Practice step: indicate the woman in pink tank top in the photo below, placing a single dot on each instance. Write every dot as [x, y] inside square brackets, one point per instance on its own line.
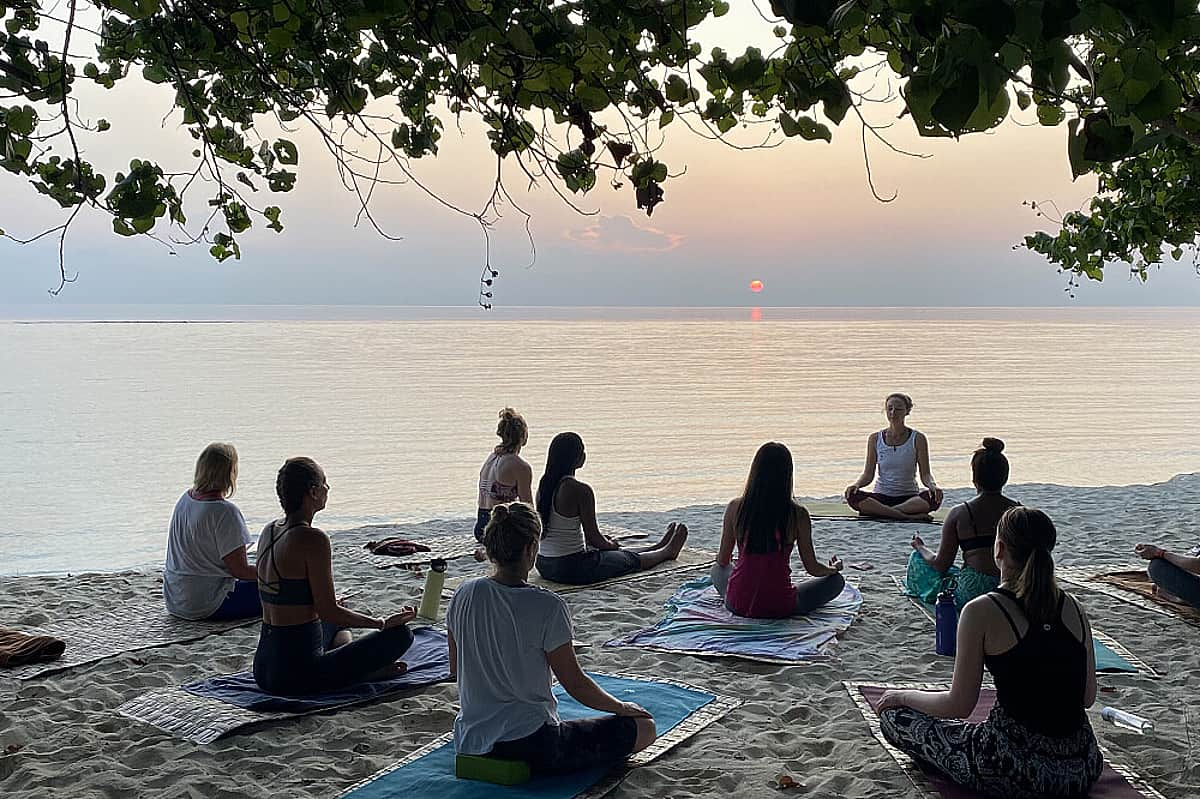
[765, 523]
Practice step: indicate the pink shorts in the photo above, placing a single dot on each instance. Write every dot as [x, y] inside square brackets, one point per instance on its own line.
[887, 499]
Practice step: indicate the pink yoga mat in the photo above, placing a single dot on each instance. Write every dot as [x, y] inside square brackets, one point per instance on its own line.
[1111, 785]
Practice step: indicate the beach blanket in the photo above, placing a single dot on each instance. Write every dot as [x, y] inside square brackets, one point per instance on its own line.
[840, 510]
[20, 649]
[1116, 782]
[203, 711]
[688, 560]
[697, 623]
[1133, 586]
[1112, 657]
[136, 625]
[680, 711]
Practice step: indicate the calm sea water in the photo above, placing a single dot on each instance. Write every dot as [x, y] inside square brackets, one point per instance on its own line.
[100, 424]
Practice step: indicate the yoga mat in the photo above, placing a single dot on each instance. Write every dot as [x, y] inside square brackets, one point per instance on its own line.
[1111, 656]
[840, 510]
[1131, 586]
[1116, 781]
[697, 623]
[138, 624]
[203, 711]
[688, 560]
[680, 711]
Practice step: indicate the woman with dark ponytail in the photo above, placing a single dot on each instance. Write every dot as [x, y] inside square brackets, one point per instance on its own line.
[508, 641]
[1036, 641]
[970, 527]
[573, 550]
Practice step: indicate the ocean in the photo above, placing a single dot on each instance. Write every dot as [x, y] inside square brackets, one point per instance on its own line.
[101, 421]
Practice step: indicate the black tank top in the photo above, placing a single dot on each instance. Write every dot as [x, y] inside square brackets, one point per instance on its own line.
[1041, 681]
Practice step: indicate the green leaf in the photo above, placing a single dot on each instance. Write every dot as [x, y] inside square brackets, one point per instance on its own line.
[1023, 100]
[155, 73]
[805, 127]
[666, 118]
[1051, 115]
[286, 152]
[720, 8]
[102, 125]
[1161, 102]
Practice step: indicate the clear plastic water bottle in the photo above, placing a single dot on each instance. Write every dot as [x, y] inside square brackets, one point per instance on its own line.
[945, 623]
[1127, 720]
[431, 597]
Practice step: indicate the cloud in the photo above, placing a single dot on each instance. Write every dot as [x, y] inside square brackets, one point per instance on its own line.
[620, 234]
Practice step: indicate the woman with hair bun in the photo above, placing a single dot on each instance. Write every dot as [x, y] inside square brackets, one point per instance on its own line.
[970, 527]
[505, 476]
[304, 647]
[1036, 642]
[897, 453]
[573, 549]
[508, 641]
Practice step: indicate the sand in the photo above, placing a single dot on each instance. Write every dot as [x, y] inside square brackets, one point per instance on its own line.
[67, 740]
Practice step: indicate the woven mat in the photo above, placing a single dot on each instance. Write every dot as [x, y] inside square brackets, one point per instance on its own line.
[840, 510]
[1143, 668]
[1117, 780]
[1130, 586]
[714, 710]
[129, 628]
[688, 560]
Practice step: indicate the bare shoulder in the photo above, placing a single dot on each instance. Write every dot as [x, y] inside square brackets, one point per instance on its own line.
[734, 505]
[801, 512]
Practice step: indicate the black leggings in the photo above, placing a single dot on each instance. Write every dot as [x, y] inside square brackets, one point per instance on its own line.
[295, 661]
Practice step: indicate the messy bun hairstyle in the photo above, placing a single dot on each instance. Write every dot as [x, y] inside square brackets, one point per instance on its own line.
[989, 467]
[908, 403]
[513, 431]
[1030, 537]
[510, 531]
[295, 478]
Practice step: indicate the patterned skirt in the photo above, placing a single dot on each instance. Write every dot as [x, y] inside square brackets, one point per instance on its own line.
[998, 757]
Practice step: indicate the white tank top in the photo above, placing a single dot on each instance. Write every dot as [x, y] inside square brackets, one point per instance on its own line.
[896, 475]
[563, 536]
[491, 491]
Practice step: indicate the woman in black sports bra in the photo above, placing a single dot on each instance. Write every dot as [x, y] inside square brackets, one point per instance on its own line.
[970, 527]
[1036, 641]
[304, 647]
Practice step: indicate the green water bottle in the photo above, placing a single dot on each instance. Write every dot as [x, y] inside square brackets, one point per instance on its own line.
[431, 598]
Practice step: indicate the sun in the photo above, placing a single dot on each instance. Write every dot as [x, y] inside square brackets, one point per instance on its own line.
[756, 286]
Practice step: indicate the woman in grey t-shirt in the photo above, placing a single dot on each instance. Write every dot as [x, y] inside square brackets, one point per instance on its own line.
[508, 640]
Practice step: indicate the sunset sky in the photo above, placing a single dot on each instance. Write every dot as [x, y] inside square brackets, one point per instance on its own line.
[799, 217]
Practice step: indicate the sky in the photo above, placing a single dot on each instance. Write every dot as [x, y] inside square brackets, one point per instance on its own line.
[799, 217]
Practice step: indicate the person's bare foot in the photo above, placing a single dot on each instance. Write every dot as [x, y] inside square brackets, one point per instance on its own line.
[677, 542]
[1165, 595]
[340, 638]
[480, 553]
[666, 539]
[388, 672]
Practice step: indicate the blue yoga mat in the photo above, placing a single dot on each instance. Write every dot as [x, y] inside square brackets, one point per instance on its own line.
[1109, 661]
[428, 661]
[433, 774]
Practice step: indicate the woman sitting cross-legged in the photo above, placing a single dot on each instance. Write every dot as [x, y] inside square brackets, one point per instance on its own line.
[1176, 577]
[970, 527]
[305, 647]
[207, 575]
[508, 640]
[897, 453]
[573, 550]
[1036, 641]
[766, 523]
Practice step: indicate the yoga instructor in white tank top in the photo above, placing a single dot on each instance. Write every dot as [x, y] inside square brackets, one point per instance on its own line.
[895, 455]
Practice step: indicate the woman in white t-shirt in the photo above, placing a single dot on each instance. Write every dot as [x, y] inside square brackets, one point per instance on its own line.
[508, 640]
[206, 574]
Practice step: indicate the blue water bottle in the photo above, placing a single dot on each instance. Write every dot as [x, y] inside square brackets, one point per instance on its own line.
[945, 622]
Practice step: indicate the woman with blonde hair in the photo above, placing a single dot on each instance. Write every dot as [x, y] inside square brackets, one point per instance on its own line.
[1035, 640]
[505, 476]
[206, 575]
[508, 641]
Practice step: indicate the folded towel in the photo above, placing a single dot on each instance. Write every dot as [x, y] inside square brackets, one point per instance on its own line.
[398, 547]
[19, 649]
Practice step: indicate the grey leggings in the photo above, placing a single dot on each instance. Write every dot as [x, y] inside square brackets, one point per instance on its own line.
[1180, 582]
[810, 594]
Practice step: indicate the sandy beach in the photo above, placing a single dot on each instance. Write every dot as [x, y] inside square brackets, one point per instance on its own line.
[60, 734]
